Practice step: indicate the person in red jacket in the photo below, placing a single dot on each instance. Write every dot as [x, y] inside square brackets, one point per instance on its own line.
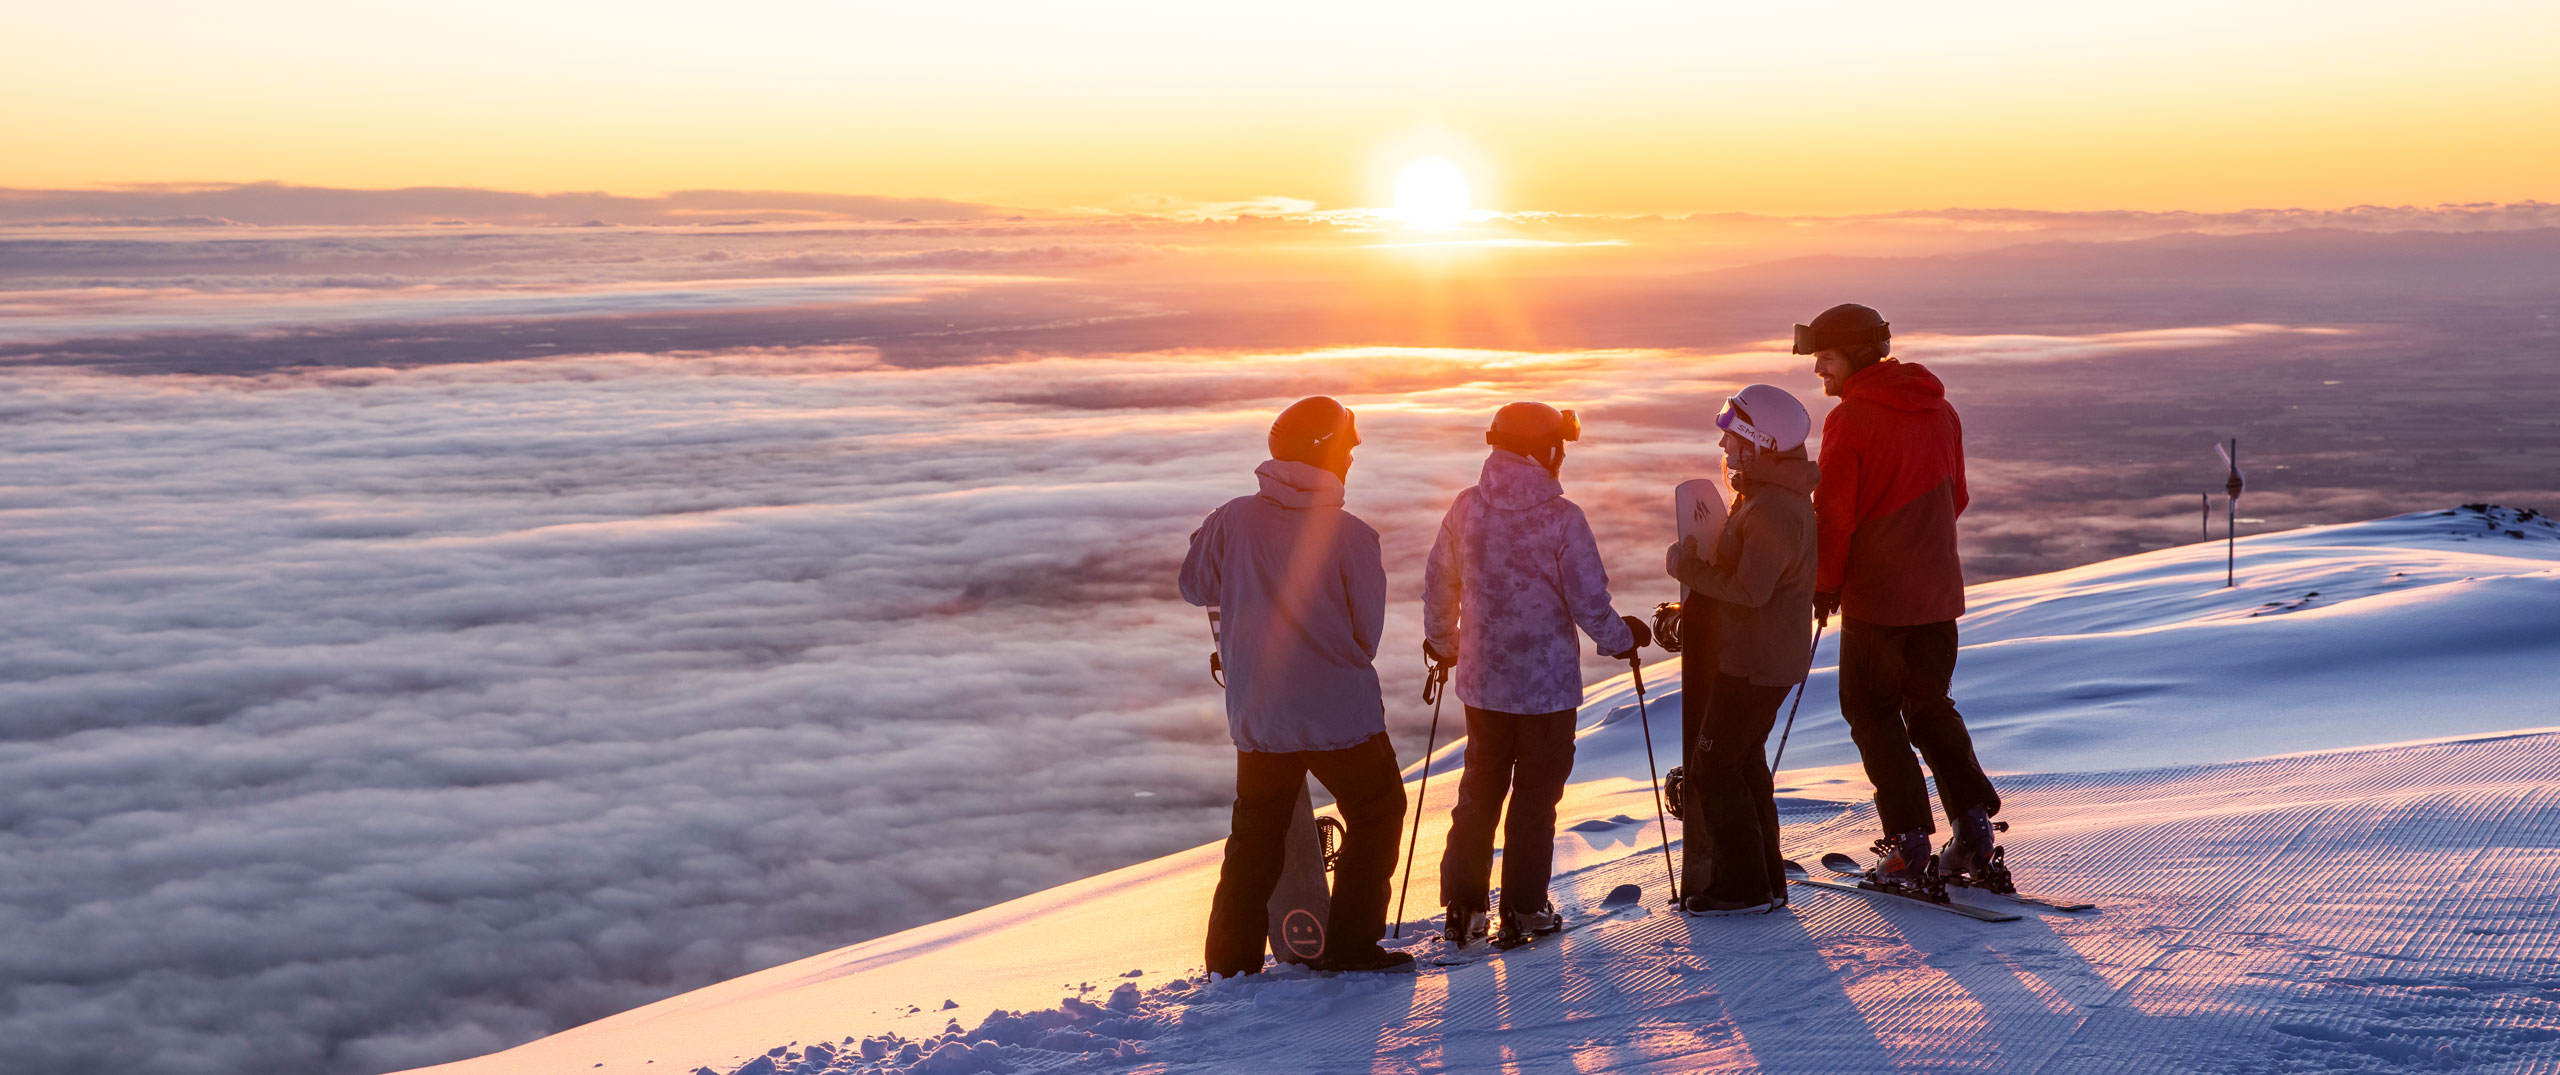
[1885, 515]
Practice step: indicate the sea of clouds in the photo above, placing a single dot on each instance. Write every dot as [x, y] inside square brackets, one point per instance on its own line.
[360, 714]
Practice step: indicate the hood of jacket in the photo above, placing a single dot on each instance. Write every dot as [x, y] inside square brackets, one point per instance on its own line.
[1298, 486]
[1903, 386]
[1789, 470]
[1514, 482]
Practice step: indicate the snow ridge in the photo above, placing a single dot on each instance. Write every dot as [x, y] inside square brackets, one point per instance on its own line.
[2317, 811]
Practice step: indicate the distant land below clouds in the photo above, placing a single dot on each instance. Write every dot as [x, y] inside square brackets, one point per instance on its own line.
[278, 204]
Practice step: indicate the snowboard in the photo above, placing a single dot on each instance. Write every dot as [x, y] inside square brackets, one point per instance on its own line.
[1698, 510]
[1300, 905]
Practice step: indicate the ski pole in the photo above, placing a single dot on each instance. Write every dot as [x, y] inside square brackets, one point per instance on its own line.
[1791, 710]
[1432, 685]
[1660, 818]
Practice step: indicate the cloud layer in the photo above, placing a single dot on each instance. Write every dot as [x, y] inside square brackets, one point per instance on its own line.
[355, 716]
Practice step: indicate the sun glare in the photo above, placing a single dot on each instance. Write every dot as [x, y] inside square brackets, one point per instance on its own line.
[1431, 193]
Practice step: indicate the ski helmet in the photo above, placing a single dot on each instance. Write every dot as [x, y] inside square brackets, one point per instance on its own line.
[1534, 430]
[1317, 431]
[1849, 327]
[1768, 416]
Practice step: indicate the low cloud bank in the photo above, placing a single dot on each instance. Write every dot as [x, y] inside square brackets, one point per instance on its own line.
[355, 718]
[286, 204]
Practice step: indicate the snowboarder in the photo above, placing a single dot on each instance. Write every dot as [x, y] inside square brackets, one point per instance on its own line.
[1752, 594]
[1302, 594]
[1892, 486]
[1514, 570]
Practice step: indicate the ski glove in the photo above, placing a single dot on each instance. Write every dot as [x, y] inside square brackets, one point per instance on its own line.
[1683, 562]
[1433, 658]
[1643, 636]
[1824, 604]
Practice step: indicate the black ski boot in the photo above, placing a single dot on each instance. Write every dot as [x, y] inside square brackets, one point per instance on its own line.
[1974, 858]
[1464, 925]
[1521, 927]
[1905, 867]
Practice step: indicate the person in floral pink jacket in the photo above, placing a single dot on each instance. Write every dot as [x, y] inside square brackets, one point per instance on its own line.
[1514, 571]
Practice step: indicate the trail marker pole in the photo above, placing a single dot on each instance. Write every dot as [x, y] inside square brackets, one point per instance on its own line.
[2231, 523]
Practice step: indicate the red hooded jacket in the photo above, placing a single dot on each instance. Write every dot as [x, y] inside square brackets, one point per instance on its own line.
[1892, 486]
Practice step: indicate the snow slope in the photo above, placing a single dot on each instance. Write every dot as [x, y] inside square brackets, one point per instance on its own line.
[2332, 904]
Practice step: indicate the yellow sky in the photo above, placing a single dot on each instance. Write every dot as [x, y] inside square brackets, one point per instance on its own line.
[1588, 107]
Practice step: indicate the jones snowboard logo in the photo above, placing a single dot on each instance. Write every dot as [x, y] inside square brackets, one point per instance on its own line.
[1303, 934]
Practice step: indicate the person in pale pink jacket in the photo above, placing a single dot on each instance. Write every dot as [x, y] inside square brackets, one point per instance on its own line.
[1514, 571]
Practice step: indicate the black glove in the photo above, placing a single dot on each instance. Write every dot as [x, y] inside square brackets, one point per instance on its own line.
[1643, 637]
[1824, 604]
[1432, 656]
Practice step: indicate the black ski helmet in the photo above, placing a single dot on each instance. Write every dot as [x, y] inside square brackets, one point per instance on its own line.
[1534, 430]
[1317, 431]
[1857, 331]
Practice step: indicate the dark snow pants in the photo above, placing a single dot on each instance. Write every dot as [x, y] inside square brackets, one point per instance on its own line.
[1893, 690]
[1527, 756]
[1729, 844]
[1368, 788]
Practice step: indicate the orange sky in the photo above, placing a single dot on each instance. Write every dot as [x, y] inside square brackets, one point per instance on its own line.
[1752, 107]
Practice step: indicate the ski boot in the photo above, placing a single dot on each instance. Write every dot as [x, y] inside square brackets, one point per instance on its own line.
[1521, 927]
[1905, 867]
[1463, 925]
[1974, 858]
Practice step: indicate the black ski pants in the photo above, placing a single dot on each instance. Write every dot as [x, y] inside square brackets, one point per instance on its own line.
[1893, 690]
[1729, 842]
[1367, 786]
[1528, 757]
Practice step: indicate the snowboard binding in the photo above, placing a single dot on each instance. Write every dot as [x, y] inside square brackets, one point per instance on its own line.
[1666, 626]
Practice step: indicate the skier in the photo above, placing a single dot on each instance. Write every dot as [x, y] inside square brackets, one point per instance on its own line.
[1302, 593]
[1753, 595]
[1892, 486]
[1514, 570]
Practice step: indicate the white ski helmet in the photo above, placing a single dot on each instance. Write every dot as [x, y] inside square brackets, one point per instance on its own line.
[1767, 416]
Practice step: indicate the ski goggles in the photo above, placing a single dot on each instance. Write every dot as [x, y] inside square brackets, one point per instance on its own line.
[1736, 420]
[1809, 341]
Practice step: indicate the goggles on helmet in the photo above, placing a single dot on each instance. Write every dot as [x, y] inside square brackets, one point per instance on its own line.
[1736, 420]
[1809, 341]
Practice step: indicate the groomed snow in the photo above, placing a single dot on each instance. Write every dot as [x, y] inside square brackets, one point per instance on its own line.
[2279, 892]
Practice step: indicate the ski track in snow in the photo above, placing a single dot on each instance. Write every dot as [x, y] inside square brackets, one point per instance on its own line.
[2359, 910]
[2385, 908]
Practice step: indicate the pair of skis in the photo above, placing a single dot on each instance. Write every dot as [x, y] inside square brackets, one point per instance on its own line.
[1614, 905]
[1867, 884]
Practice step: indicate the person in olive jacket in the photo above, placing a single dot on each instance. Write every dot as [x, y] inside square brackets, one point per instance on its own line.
[1755, 588]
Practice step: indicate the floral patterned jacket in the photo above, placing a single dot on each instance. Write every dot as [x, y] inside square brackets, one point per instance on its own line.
[1514, 569]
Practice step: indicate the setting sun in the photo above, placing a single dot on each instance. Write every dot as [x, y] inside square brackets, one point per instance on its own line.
[1431, 193]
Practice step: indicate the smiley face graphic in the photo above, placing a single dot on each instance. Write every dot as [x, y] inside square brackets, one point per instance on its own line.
[1303, 934]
